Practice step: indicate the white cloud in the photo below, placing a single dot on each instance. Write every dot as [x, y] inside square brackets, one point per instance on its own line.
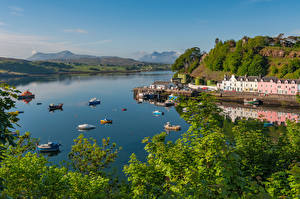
[22, 46]
[78, 30]
[2, 23]
[16, 11]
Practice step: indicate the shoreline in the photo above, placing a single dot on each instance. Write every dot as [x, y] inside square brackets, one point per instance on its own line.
[11, 75]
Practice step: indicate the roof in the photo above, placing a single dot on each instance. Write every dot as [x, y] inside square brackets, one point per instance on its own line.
[268, 79]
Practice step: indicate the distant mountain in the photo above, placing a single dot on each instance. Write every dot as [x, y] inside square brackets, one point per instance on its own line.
[167, 57]
[69, 57]
[63, 55]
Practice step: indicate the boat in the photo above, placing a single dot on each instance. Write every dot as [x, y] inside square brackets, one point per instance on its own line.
[20, 112]
[170, 127]
[106, 121]
[169, 103]
[124, 109]
[157, 112]
[39, 103]
[49, 147]
[26, 95]
[268, 124]
[253, 101]
[85, 127]
[53, 107]
[94, 101]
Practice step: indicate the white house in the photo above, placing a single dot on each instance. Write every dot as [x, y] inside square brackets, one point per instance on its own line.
[239, 84]
[160, 85]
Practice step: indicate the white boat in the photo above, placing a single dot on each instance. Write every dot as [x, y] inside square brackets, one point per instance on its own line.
[86, 127]
[170, 127]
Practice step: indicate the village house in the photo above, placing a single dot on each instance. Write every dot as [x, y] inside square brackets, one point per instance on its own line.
[160, 85]
[239, 84]
[268, 85]
[265, 85]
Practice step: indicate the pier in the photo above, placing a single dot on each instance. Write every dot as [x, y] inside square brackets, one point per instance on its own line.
[187, 93]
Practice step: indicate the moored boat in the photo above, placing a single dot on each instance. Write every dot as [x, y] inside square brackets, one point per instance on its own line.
[106, 121]
[253, 101]
[124, 109]
[170, 127]
[94, 101]
[268, 124]
[169, 103]
[49, 147]
[26, 95]
[157, 112]
[54, 107]
[85, 127]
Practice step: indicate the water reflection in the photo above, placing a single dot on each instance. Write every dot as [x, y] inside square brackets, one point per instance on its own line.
[274, 115]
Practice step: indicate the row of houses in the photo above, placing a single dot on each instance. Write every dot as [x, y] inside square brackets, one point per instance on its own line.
[264, 85]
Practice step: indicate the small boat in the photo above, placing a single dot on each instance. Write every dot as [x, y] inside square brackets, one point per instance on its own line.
[157, 112]
[85, 127]
[124, 109]
[20, 112]
[53, 107]
[169, 103]
[49, 147]
[39, 103]
[170, 127]
[26, 95]
[94, 101]
[106, 121]
[268, 124]
[252, 101]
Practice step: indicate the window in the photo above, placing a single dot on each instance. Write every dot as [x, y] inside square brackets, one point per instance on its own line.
[279, 86]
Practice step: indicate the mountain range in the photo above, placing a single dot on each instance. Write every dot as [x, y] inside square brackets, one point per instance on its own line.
[69, 57]
[167, 57]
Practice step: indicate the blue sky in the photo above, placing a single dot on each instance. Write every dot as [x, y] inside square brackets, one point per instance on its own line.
[131, 28]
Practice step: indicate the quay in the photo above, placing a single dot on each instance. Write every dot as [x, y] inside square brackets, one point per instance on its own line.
[187, 93]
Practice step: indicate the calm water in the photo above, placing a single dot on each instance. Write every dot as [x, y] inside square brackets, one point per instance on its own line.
[128, 128]
[115, 92]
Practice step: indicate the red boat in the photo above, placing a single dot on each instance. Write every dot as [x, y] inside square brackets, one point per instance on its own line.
[26, 95]
[54, 107]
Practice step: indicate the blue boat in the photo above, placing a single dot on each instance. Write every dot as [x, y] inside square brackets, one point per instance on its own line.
[156, 112]
[268, 124]
[94, 101]
[49, 147]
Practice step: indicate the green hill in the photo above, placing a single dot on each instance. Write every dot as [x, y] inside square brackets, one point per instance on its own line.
[261, 55]
[9, 66]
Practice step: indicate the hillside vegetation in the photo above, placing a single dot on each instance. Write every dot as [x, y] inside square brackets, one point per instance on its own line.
[261, 55]
[23, 67]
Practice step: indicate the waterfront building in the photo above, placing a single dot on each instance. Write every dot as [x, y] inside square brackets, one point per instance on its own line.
[268, 85]
[250, 83]
[160, 85]
[265, 85]
[239, 84]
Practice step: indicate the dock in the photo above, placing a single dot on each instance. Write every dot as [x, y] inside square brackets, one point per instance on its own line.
[189, 93]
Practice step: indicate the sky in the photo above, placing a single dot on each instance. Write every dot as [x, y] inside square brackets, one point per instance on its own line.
[132, 28]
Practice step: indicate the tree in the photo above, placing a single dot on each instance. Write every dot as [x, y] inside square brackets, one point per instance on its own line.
[188, 61]
[8, 119]
[88, 157]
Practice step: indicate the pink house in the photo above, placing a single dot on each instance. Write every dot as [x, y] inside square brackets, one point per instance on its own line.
[287, 87]
[267, 85]
[272, 85]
